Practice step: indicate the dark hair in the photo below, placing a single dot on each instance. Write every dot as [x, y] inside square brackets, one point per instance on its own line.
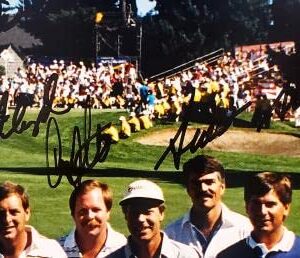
[87, 186]
[9, 188]
[261, 183]
[203, 165]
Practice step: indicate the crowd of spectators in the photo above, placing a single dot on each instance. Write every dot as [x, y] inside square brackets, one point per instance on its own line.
[223, 85]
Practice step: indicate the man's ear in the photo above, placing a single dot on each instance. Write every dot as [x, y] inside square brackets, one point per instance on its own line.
[286, 212]
[108, 215]
[27, 214]
[162, 215]
[223, 187]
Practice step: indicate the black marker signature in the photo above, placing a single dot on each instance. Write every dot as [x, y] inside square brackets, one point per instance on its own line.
[215, 129]
[79, 162]
[18, 126]
[200, 139]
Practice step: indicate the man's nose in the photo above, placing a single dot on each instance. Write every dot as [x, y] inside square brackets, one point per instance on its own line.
[140, 217]
[263, 209]
[203, 186]
[91, 214]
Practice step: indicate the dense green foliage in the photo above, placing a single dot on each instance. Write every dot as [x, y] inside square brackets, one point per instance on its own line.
[188, 29]
[180, 30]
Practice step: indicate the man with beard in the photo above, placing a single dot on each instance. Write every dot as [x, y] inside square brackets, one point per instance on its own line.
[209, 226]
[268, 197]
[17, 238]
[90, 205]
[143, 207]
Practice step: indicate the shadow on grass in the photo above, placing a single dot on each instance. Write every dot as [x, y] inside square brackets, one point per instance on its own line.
[234, 178]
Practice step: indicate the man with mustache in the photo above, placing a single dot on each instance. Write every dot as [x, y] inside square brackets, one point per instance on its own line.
[143, 207]
[209, 226]
[268, 197]
[90, 204]
[17, 238]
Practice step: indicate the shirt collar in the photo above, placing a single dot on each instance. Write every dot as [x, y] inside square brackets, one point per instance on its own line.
[166, 246]
[33, 249]
[70, 241]
[224, 215]
[34, 239]
[284, 245]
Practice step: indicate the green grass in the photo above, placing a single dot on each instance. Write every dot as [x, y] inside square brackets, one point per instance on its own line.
[23, 160]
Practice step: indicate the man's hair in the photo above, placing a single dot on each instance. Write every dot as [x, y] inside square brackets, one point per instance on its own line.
[9, 188]
[202, 165]
[261, 183]
[87, 186]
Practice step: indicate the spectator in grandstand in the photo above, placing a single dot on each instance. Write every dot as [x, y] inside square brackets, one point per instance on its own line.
[90, 206]
[143, 208]
[151, 100]
[159, 111]
[209, 226]
[175, 109]
[268, 198]
[125, 130]
[143, 91]
[17, 238]
[166, 106]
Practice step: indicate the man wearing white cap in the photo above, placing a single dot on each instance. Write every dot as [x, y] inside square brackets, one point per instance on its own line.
[125, 130]
[143, 207]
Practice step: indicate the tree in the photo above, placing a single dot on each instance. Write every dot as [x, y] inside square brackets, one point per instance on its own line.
[286, 20]
[66, 27]
[186, 29]
[5, 20]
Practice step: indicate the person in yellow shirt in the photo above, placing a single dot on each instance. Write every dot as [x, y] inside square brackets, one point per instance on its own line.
[125, 130]
[111, 132]
[134, 123]
[159, 109]
[221, 100]
[175, 108]
[145, 121]
[166, 106]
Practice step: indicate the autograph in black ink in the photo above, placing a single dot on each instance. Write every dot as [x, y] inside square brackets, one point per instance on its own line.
[214, 130]
[200, 138]
[18, 125]
[79, 161]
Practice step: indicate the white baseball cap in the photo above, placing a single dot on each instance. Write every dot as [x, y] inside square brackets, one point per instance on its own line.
[143, 189]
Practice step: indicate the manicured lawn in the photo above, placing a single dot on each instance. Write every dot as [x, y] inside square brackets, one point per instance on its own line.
[23, 160]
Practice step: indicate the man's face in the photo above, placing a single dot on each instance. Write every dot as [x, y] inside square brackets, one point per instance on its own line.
[13, 218]
[144, 220]
[205, 191]
[90, 214]
[267, 213]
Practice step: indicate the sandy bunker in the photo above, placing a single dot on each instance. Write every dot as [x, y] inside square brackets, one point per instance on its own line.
[235, 141]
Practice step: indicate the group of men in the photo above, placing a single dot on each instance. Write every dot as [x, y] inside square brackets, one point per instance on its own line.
[209, 229]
